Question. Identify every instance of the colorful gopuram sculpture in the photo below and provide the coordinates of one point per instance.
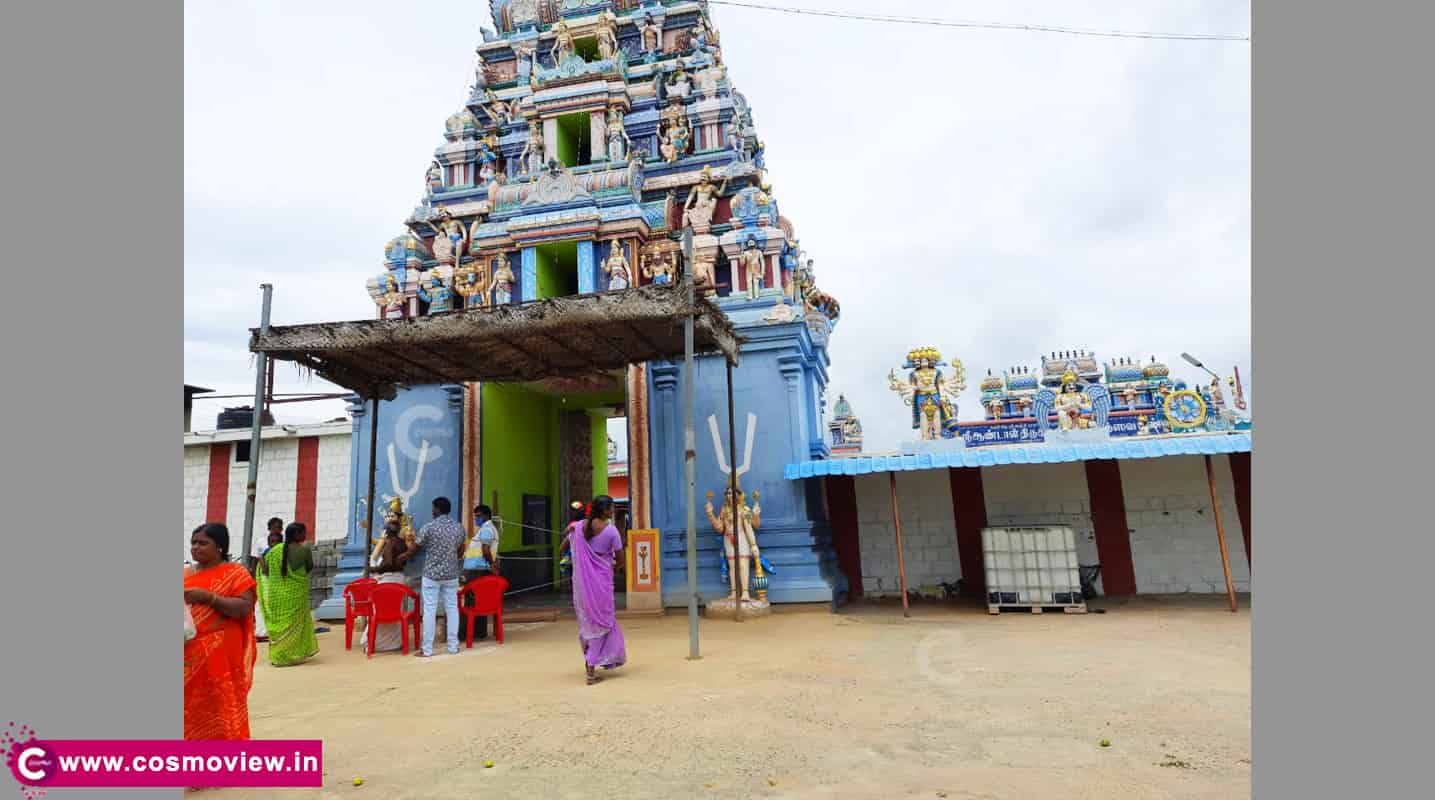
(603, 146)
(1072, 394)
(931, 394)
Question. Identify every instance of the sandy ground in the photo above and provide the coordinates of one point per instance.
(863, 704)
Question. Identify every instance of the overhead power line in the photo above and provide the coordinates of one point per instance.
(1001, 26)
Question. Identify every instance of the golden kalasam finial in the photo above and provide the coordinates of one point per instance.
(1068, 377)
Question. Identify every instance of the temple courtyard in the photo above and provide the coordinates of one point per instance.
(950, 703)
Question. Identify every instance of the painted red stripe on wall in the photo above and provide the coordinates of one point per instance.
(216, 506)
(1241, 477)
(306, 483)
(1113, 538)
(842, 514)
(969, 509)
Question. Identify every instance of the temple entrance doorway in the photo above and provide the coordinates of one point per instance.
(544, 446)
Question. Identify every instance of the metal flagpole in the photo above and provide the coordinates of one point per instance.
(252, 487)
(690, 458)
(733, 529)
(373, 455)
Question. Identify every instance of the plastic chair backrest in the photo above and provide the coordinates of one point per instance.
(360, 591)
(388, 599)
(487, 593)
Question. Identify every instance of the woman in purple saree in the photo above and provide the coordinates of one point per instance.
(596, 545)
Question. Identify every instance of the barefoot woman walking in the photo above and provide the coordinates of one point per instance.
(596, 546)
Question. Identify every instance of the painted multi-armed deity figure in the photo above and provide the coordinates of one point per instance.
(928, 392)
(395, 516)
(469, 281)
(1072, 405)
(749, 519)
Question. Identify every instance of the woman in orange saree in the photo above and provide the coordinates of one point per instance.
(219, 660)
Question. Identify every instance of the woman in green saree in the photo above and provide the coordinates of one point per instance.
(285, 599)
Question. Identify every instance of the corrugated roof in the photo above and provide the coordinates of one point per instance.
(1188, 445)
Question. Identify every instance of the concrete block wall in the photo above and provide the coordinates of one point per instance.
(1173, 541)
(196, 490)
(929, 531)
(331, 506)
(277, 497)
(1042, 494)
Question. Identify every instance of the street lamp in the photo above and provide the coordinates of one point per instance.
(1193, 362)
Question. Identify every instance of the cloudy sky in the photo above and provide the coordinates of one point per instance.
(996, 194)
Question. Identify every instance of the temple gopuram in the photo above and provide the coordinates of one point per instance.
(602, 147)
(844, 430)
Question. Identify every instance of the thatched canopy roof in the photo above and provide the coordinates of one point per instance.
(535, 341)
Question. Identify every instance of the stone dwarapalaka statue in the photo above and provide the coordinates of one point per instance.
(928, 392)
(562, 43)
(749, 519)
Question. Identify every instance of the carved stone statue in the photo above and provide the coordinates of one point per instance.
(618, 141)
(652, 37)
(702, 202)
(607, 31)
(500, 287)
(740, 541)
(659, 270)
(562, 43)
(752, 262)
(436, 293)
(928, 392)
(616, 267)
(533, 154)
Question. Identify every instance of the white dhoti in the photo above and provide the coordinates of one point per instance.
(742, 547)
(390, 636)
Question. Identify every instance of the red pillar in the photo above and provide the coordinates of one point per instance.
(1113, 538)
(306, 483)
(216, 507)
(969, 507)
(842, 514)
(1241, 477)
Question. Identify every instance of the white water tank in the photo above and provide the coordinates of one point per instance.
(1031, 567)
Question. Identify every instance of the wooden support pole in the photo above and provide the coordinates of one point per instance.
(901, 562)
(1220, 533)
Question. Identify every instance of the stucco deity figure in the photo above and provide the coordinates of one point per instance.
(487, 157)
(469, 282)
(434, 291)
(500, 287)
(1217, 398)
(680, 85)
(434, 179)
(618, 141)
(449, 238)
(702, 202)
(1072, 404)
(533, 153)
(752, 261)
(703, 271)
(525, 59)
(927, 391)
(739, 544)
(616, 267)
(658, 270)
(652, 37)
(562, 43)
(393, 299)
(499, 111)
(607, 32)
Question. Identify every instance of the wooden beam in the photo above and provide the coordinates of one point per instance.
(1220, 533)
(901, 561)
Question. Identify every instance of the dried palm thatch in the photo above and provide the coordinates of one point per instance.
(560, 337)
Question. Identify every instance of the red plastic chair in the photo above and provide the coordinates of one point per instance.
(487, 602)
(357, 603)
(388, 600)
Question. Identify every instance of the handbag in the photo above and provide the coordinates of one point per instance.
(189, 630)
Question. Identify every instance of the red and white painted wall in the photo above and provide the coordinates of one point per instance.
(1148, 522)
(303, 476)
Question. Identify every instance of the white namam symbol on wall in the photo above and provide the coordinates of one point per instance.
(721, 452)
(403, 438)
